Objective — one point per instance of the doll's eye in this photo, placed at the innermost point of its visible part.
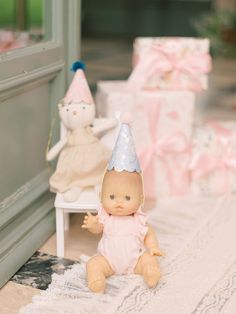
(127, 197)
(112, 196)
(83, 107)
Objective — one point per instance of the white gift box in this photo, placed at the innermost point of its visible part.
(170, 63)
(213, 162)
(162, 129)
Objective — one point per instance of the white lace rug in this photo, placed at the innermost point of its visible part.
(199, 271)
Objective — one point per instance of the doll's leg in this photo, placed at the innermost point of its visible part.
(148, 267)
(72, 194)
(98, 269)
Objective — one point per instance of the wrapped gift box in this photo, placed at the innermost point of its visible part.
(170, 63)
(213, 162)
(162, 129)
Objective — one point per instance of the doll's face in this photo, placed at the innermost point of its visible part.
(76, 115)
(122, 192)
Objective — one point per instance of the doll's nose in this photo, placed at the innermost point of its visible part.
(119, 201)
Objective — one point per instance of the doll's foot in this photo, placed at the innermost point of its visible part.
(151, 275)
(72, 194)
(98, 285)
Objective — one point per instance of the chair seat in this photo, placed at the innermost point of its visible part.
(87, 201)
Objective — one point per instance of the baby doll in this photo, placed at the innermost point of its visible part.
(83, 157)
(121, 249)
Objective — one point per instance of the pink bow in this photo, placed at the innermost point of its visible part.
(159, 59)
(166, 149)
(174, 144)
(202, 165)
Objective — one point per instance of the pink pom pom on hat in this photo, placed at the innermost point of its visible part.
(79, 90)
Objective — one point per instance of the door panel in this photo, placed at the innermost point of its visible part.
(24, 130)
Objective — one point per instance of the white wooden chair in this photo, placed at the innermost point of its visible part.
(88, 200)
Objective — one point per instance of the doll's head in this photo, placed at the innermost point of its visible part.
(122, 188)
(76, 115)
(77, 109)
(122, 192)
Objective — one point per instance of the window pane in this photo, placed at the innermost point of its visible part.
(23, 23)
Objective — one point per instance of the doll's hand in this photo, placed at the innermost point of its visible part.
(156, 252)
(89, 221)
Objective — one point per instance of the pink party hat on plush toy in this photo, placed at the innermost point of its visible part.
(124, 156)
(79, 90)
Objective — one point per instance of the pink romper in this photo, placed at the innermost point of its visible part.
(122, 242)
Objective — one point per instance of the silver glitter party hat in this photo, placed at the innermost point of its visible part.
(124, 156)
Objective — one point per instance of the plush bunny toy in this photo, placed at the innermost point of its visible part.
(83, 158)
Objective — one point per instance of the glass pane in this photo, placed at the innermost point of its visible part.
(23, 23)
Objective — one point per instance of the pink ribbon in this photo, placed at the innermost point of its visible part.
(203, 165)
(165, 149)
(162, 60)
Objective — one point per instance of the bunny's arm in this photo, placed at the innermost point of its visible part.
(55, 150)
(103, 124)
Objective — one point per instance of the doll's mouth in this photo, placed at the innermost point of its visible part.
(119, 207)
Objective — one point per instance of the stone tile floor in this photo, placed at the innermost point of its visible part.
(37, 271)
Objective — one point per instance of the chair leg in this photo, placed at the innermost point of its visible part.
(60, 231)
(67, 221)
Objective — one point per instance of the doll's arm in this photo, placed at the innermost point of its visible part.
(151, 243)
(55, 150)
(103, 124)
(92, 224)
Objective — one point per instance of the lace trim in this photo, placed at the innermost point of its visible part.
(222, 291)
